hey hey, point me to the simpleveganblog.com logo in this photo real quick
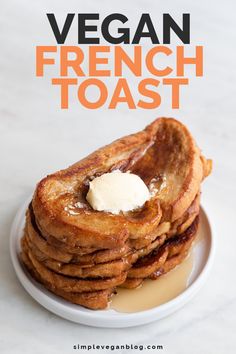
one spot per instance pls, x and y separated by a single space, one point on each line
102 62
112 347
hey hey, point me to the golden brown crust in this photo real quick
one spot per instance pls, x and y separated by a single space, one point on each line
154 262
81 254
170 255
100 270
169 264
71 284
95 300
56 257
131 283
165 149
151 264
185 221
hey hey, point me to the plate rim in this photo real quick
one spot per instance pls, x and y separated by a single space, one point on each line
111 319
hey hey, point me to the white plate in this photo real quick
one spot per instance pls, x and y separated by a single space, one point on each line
202 253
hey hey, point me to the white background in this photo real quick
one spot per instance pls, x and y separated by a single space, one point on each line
38 138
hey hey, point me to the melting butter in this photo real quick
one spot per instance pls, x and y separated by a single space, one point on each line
117 191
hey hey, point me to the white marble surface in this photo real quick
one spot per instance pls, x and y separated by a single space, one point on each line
38 138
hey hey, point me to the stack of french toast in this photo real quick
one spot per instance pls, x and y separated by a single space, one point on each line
82 254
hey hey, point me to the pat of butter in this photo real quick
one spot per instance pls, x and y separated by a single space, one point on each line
117 191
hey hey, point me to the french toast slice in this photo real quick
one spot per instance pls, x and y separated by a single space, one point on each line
67 283
96 293
162 259
154 261
50 253
100 270
95 300
164 155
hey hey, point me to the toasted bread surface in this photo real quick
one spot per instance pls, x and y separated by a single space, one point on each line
164 155
82 255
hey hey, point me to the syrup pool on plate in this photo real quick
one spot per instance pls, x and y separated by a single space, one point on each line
157 292
154 292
